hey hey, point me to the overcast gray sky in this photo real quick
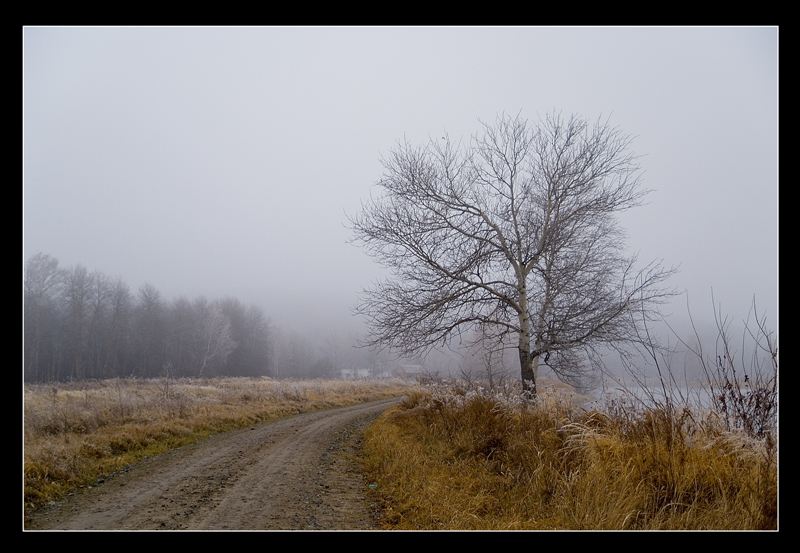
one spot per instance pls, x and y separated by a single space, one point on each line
221 161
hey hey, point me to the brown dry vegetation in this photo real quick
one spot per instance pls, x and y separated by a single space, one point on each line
449 458
75 433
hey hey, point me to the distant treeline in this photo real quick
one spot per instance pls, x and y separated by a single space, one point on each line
79 325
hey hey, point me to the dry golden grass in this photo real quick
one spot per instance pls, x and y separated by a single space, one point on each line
74 433
472 461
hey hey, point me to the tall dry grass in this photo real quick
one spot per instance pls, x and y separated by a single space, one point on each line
450 458
74 433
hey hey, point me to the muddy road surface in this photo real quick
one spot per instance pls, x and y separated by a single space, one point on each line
297 473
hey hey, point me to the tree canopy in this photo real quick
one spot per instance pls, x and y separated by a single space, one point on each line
512 236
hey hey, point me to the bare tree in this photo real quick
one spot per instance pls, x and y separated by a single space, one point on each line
250 332
149 332
42 283
78 289
119 323
217 342
514 235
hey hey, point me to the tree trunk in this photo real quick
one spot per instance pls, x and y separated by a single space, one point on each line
526 360
527 372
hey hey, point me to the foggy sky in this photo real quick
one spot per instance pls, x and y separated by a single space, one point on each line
222 161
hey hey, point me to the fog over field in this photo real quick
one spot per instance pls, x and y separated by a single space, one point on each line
223 161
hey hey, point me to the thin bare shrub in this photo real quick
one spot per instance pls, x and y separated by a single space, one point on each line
743 387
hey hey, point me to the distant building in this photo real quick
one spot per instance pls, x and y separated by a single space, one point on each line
352 373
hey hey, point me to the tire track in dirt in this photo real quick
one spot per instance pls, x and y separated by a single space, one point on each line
293 474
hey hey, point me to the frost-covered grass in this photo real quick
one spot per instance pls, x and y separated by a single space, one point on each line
456 457
74 433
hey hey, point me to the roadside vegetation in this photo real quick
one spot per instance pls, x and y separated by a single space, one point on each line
75 434
461 455
469 459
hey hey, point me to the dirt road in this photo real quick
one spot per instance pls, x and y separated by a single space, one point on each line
293 474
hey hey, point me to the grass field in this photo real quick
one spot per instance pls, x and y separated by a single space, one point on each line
75 433
452 458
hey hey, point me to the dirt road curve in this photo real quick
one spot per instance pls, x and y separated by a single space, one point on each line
293 474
